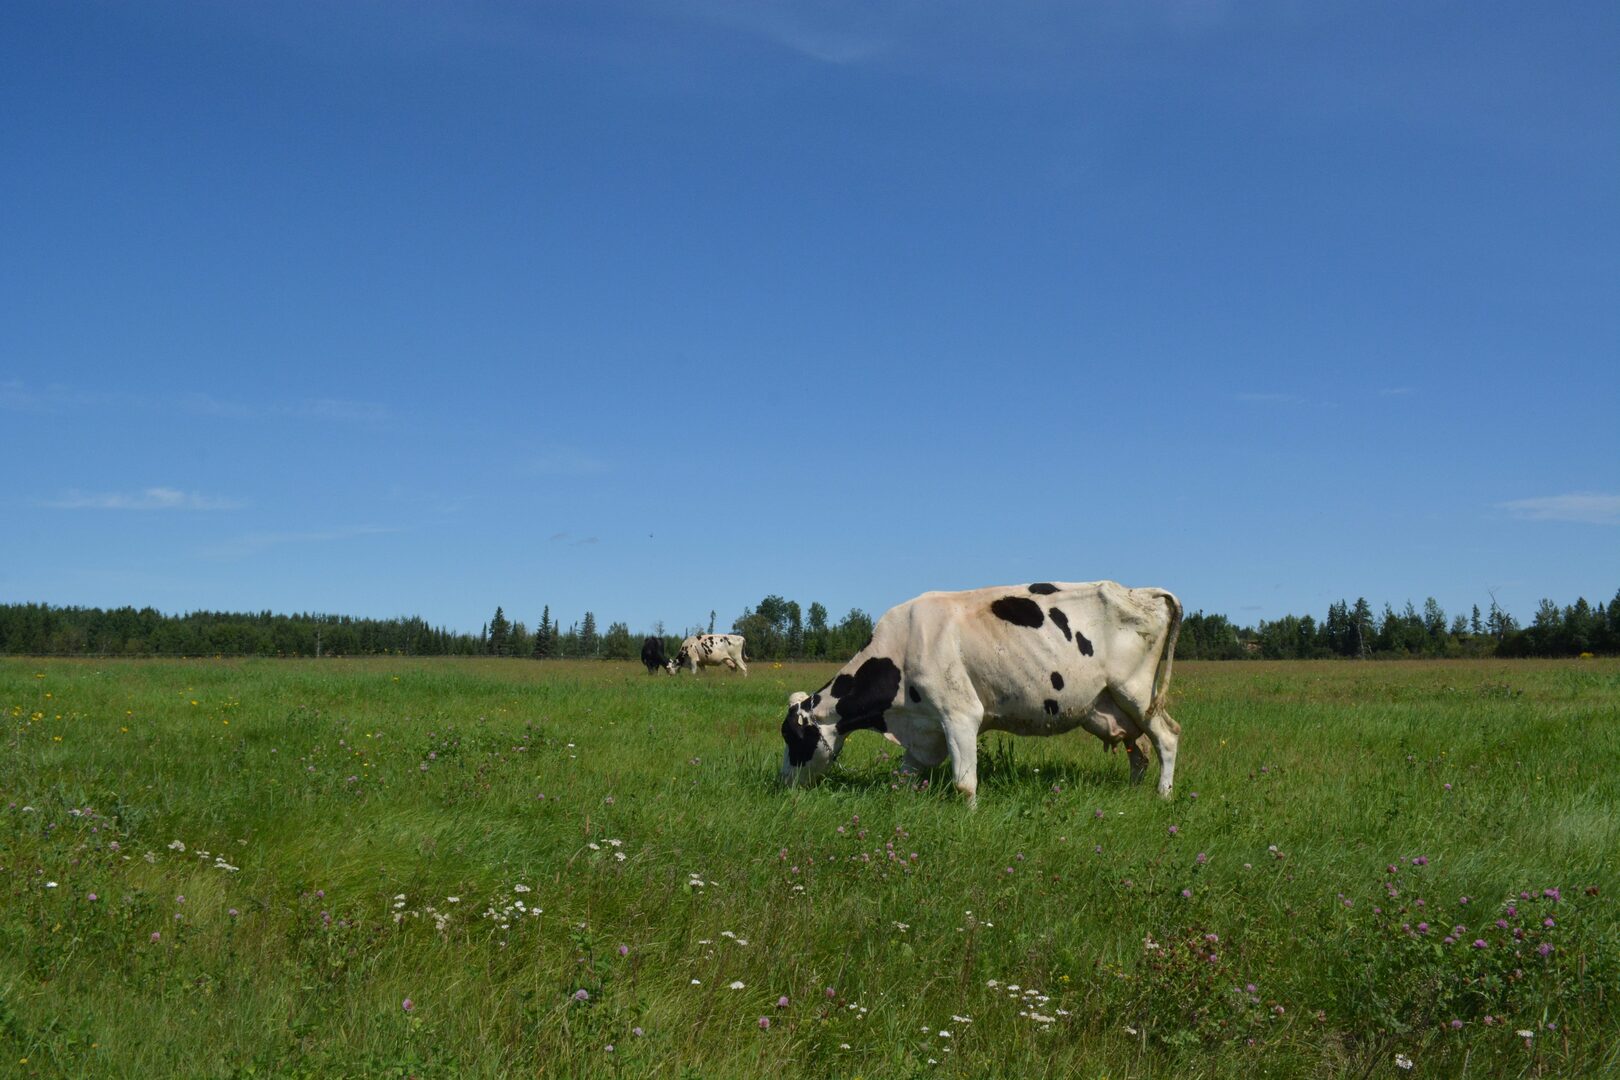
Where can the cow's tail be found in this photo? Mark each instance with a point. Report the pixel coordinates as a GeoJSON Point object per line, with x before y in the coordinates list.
{"type": "Point", "coordinates": [1161, 677]}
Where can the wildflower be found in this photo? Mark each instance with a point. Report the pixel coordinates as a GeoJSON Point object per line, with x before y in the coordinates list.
{"type": "Point", "coordinates": [1551, 894]}
{"type": "Point", "coordinates": [764, 1023]}
{"type": "Point", "coordinates": [1456, 1025]}
{"type": "Point", "coordinates": [1186, 894]}
{"type": "Point", "coordinates": [738, 985]}
{"type": "Point", "coordinates": [1403, 1061]}
{"type": "Point", "coordinates": [637, 1032]}
{"type": "Point", "coordinates": [233, 913]}
{"type": "Point", "coordinates": [1174, 829]}
{"type": "Point", "coordinates": [1525, 1033]}
{"type": "Point", "coordinates": [1548, 923]}
{"type": "Point", "coordinates": [92, 897]}
{"type": "Point", "coordinates": [1544, 949]}
{"type": "Point", "coordinates": [944, 1034]}
{"type": "Point", "coordinates": [831, 993]}
{"type": "Point", "coordinates": [155, 936]}
{"type": "Point", "coordinates": [407, 1005]}
{"type": "Point", "coordinates": [608, 1048]}
{"type": "Point", "coordinates": [582, 994]}
{"type": "Point", "coordinates": [1250, 988]}
{"type": "Point", "coordinates": [1423, 928]}
{"type": "Point", "coordinates": [1479, 943]}
{"type": "Point", "coordinates": [1202, 858]}
{"type": "Point", "coordinates": [50, 884]}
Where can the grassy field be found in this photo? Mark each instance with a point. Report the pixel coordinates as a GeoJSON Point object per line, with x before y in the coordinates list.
{"type": "Point", "coordinates": [491, 868]}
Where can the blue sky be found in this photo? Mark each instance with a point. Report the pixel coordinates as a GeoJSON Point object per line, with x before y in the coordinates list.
{"type": "Point", "coordinates": [653, 309]}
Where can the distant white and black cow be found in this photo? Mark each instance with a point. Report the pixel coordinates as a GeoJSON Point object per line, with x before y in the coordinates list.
{"type": "Point", "coordinates": [1037, 659]}
{"type": "Point", "coordinates": [710, 650]}
{"type": "Point", "coordinates": [652, 654]}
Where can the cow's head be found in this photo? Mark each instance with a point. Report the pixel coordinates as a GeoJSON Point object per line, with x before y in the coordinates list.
{"type": "Point", "coordinates": [676, 662]}
{"type": "Point", "coordinates": [811, 746]}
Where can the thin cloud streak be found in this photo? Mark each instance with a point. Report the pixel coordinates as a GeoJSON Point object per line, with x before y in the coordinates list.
{"type": "Point", "coordinates": [565, 462]}
{"type": "Point", "coordinates": [152, 498]}
{"type": "Point", "coordinates": [1583, 507]}
{"type": "Point", "coordinates": [1270, 399]}
{"type": "Point", "coordinates": [249, 544]}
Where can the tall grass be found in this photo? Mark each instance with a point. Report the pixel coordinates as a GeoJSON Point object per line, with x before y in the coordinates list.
{"type": "Point", "coordinates": [356, 834]}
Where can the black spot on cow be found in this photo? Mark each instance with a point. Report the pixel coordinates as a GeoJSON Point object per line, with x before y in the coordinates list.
{"type": "Point", "coordinates": [864, 697]}
{"type": "Point", "coordinates": [913, 692]}
{"type": "Point", "coordinates": [1084, 643]}
{"type": "Point", "coordinates": [1019, 610]}
{"type": "Point", "coordinates": [1050, 706]}
{"type": "Point", "coordinates": [1043, 588]}
{"type": "Point", "coordinates": [801, 738]}
{"type": "Point", "coordinates": [1061, 621]}
{"type": "Point", "coordinates": [1057, 681]}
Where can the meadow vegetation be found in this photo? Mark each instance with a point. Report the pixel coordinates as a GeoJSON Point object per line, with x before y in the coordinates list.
{"type": "Point", "coordinates": [463, 867]}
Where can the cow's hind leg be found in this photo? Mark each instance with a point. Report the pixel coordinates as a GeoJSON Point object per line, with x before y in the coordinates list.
{"type": "Point", "coordinates": [962, 736]}
{"type": "Point", "coordinates": [1166, 735]}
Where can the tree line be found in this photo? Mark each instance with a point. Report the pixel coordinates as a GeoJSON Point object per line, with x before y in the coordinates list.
{"type": "Point", "coordinates": [780, 629]}
{"type": "Point", "coordinates": [1354, 630]}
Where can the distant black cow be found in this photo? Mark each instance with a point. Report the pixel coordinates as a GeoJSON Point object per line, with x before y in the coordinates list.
{"type": "Point", "coordinates": [652, 654]}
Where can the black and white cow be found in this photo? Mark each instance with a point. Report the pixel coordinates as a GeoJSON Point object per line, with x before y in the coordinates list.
{"type": "Point", "coordinates": [1036, 659]}
{"type": "Point", "coordinates": [652, 654]}
{"type": "Point", "coordinates": [710, 650]}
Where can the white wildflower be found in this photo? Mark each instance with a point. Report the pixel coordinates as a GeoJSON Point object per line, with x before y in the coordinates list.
{"type": "Point", "coordinates": [175, 845]}
{"type": "Point", "coordinates": [738, 985]}
{"type": "Point", "coordinates": [1403, 1061]}
{"type": "Point", "coordinates": [521, 888]}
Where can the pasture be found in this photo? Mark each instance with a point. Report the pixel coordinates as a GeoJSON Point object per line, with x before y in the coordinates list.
{"type": "Point", "coordinates": [490, 868]}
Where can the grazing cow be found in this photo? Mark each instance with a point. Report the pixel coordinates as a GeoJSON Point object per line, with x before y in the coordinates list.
{"type": "Point", "coordinates": [1036, 659]}
{"type": "Point", "coordinates": [710, 650]}
{"type": "Point", "coordinates": [652, 654]}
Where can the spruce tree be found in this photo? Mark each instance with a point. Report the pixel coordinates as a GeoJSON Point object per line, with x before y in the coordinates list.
{"type": "Point", "coordinates": [542, 636]}
{"type": "Point", "coordinates": [499, 633]}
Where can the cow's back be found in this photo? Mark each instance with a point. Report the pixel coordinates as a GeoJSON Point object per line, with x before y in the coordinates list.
{"type": "Point", "coordinates": [1037, 651]}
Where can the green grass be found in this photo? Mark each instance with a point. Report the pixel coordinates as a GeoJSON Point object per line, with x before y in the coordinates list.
{"type": "Point", "coordinates": [334, 787]}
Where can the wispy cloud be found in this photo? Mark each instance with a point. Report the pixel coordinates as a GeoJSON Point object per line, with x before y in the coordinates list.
{"type": "Point", "coordinates": [248, 544]}
{"type": "Point", "coordinates": [1270, 399]}
{"type": "Point", "coordinates": [152, 498]}
{"type": "Point", "coordinates": [566, 537]}
{"type": "Point", "coordinates": [1586, 507]}
{"type": "Point", "coordinates": [565, 462]}
{"type": "Point", "coordinates": [18, 396]}
{"type": "Point", "coordinates": [56, 399]}
{"type": "Point", "coordinates": [347, 412]}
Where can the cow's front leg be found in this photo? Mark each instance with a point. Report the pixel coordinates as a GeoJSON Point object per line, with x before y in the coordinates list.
{"type": "Point", "coordinates": [962, 735]}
